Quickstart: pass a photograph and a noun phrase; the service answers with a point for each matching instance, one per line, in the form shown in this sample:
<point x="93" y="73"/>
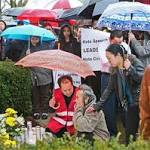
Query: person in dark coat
<point x="141" y="51"/>
<point x="14" y="49"/>
<point x="125" y="80"/>
<point x="41" y="82"/>
<point x="67" y="41"/>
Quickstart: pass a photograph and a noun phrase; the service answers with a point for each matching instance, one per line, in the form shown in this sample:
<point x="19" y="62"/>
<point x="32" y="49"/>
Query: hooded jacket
<point x="90" y="122"/>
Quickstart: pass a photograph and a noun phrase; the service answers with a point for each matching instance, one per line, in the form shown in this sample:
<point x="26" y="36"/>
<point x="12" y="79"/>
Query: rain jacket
<point x="64" y="114"/>
<point x="91" y="122"/>
<point x="133" y="76"/>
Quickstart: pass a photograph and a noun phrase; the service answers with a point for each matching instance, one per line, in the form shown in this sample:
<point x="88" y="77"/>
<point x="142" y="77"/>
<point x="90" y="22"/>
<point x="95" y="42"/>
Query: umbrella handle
<point x="58" y="45"/>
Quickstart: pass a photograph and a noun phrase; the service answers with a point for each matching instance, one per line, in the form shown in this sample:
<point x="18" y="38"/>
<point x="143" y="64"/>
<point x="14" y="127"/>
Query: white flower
<point x="17" y="129"/>
<point x="20" y="120"/>
<point x="2" y="116"/>
<point x="3" y="131"/>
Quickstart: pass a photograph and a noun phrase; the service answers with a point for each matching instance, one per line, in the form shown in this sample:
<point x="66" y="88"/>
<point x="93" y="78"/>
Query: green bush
<point x="72" y="144"/>
<point x="15" y="88"/>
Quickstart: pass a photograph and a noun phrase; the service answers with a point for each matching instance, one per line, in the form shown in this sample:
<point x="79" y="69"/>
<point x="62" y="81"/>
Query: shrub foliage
<point x="15" y="88"/>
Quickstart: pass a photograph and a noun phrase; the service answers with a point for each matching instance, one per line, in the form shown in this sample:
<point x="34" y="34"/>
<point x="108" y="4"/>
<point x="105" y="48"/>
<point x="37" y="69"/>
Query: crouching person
<point x="89" y="125"/>
<point x="62" y="103"/>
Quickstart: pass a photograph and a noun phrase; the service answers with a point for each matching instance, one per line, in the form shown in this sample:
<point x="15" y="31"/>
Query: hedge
<point x="15" y="88"/>
<point x="69" y="143"/>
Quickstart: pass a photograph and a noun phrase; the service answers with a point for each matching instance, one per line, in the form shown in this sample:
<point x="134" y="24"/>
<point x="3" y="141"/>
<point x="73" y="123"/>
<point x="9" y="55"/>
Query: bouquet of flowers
<point x="10" y="126"/>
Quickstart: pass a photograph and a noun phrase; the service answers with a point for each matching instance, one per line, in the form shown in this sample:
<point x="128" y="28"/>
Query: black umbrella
<point x="101" y="6"/>
<point x="86" y="10"/>
<point x="13" y="11"/>
<point x="71" y="13"/>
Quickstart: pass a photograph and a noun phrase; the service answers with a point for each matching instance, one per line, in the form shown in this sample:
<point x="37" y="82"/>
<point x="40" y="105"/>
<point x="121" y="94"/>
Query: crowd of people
<point x="91" y="110"/>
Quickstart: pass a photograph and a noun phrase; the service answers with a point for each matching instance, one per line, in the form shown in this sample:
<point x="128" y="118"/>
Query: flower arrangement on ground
<point x="11" y="126"/>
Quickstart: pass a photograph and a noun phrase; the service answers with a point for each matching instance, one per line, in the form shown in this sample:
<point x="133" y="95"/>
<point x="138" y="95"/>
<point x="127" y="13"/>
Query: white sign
<point x="58" y="74"/>
<point x="93" y="41"/>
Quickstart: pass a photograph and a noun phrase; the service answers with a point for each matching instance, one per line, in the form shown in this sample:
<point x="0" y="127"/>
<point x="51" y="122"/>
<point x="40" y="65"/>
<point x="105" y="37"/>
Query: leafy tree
<point x="14" y="3"/>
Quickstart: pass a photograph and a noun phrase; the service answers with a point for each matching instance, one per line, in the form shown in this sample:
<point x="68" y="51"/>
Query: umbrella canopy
<point x="101" y="6"/>
<point x="9" y="21"/>
<point x="34" y="15"/>
<point x="87" y="8"/>
<point x="71" y="13"/>
<point x="66" y="4"/>
<point x="26" y="31"/>
<point x="13" y="11"/>
<point x="53" y="4"/>
<point x="57" y="60"/>
<point x="126" y="16"/>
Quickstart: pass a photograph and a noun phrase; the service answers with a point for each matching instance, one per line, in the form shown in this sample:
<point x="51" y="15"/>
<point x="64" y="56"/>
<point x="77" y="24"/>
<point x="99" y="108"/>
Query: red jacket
<point x="64" y="114"/>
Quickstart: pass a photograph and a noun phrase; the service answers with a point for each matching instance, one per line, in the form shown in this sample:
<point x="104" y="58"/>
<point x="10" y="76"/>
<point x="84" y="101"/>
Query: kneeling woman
<point x="88" y="124"/>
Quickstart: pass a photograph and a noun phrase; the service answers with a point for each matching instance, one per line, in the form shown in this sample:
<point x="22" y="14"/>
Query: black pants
<point x="130" y="120"/>
<point x="93" y="82"/>
<point x="58" y="134"/>
<point x="40" y="98"/>
<point x="110" y="107"/>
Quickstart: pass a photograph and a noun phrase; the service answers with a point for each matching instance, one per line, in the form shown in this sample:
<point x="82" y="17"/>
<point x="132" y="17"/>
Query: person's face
<point x="79" y="98"/>
<point x="113" y="60"/>
<point x="66" y="32"/>
<point x="2" y="26"/>
<point x="67" y="88"/>
<point x="116" y="40"/>
<point x="35" y="40"/>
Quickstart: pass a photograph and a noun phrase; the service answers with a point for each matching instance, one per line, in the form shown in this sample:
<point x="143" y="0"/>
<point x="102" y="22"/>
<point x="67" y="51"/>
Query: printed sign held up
<point x="93" y="41"/>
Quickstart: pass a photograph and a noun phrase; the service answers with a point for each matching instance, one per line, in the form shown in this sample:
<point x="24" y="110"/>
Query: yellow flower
<point x="11" y="121"/>
<point x="4" y="136"/>
<point x="13" y="143"/>
<point x="9" y="143"/>
<point x="10" y="111"/>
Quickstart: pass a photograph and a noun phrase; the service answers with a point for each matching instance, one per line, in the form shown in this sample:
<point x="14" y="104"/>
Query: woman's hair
<point x="115" y="49"/>
<point x="88" y="92"/>
<point x="4" y="24"/>
<point x="61" y="35"/>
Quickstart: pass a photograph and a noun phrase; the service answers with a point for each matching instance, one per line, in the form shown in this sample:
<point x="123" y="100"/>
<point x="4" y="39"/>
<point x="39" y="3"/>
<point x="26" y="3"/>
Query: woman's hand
<point x="131" y="36"/>
<point x="127" y="64"/>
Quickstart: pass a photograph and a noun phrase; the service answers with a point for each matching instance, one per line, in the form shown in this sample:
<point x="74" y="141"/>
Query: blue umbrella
<point x="126" y="16"/>
<point x="24" y="32"/>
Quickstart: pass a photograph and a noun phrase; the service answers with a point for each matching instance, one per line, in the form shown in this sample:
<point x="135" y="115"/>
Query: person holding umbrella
<point x="41" y="82"/>
<point x="142" y="51"/>
<point x="125" y="80"/>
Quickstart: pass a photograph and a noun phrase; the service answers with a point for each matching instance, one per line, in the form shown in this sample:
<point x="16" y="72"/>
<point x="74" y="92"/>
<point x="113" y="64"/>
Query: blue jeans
<point x="110" y="107"/>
